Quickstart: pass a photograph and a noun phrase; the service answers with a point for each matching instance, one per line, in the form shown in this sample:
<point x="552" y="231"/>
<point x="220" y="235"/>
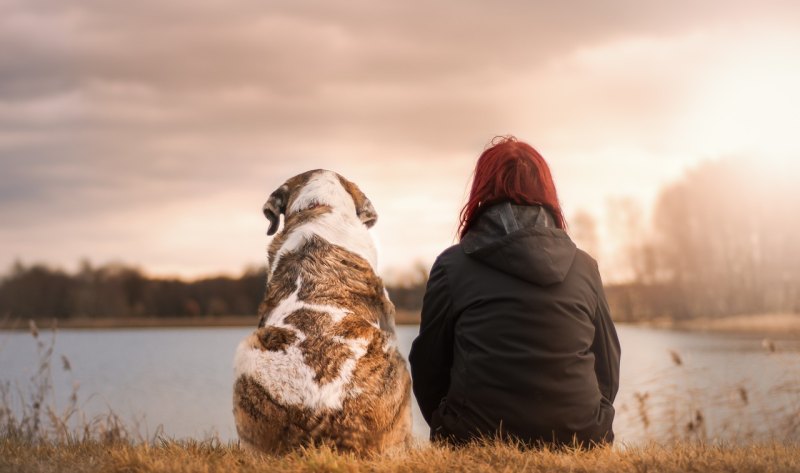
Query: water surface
<point x="182" y="378"/>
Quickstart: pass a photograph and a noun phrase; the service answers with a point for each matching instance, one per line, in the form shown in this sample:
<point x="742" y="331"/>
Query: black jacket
<point x="516" y="336"/>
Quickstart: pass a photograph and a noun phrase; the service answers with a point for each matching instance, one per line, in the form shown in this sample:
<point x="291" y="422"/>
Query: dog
<point x="323" y="366"/>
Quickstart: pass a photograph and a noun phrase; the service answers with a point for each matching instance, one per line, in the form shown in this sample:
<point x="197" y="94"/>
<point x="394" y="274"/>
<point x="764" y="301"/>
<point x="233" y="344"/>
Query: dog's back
<point x="323" y="366"/>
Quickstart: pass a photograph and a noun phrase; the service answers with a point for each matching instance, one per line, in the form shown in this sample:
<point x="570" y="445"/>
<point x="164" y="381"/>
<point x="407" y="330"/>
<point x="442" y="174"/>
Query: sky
<point x="151" y="132"/>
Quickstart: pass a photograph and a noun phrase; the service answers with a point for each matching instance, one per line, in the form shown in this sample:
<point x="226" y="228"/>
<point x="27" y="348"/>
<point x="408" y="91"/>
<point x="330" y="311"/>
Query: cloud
<point x="134" y="115"/>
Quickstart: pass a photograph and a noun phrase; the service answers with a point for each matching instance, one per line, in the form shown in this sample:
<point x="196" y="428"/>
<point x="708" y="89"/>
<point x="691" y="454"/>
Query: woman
<point x="516" y="339"/>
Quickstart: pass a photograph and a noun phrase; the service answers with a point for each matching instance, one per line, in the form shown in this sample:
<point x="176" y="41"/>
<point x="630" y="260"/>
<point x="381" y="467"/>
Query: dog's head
<point x="315" y="188"/>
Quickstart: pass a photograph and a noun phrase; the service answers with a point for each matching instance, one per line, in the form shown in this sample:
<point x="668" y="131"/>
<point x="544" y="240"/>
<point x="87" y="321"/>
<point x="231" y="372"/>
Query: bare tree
<point x="583" y="230"/>
<point x="725" y="236"/>
<point x="634" y="247"/>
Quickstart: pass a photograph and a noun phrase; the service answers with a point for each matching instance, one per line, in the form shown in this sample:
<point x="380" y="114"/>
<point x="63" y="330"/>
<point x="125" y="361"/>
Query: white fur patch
<point x="285" y="375"/>
<point x="289" y="305"/>
<point x="323" y="187"/>
<point x="340" y="227"/>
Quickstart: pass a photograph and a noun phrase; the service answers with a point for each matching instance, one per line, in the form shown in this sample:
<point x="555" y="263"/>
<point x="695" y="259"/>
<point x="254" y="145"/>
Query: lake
<point x="673" y="384"/>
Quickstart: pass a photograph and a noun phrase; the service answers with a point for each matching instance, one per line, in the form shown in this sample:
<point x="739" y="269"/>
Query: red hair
<point x="510" y="170"/>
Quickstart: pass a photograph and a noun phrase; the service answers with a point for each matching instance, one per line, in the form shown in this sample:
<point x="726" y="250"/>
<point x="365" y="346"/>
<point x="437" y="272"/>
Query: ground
<point x="209" y="456"/>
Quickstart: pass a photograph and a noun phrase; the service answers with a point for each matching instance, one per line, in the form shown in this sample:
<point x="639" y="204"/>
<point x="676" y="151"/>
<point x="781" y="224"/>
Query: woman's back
<point x="523" y="307"/>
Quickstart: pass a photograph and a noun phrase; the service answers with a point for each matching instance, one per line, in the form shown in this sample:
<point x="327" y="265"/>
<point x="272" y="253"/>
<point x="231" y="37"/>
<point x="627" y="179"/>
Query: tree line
<point x="117" y="290"/>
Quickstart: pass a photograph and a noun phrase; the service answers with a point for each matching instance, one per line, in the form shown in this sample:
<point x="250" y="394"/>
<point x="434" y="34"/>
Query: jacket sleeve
<point x="432" y="351"/>
<point x="606" y="349"/>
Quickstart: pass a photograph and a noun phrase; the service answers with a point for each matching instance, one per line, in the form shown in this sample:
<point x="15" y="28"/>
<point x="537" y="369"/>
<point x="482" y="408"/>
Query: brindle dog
<point x="323" y="365"/>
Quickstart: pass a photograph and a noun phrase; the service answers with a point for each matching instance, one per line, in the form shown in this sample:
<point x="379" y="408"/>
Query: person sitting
<point x="516" y="339"/>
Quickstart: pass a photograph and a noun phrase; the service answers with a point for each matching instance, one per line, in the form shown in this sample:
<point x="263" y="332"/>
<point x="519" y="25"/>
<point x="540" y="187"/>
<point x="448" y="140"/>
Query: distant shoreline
<point x="135" y="322"/>
<point x="766" y="324"/>
<point x="85" y="323"/>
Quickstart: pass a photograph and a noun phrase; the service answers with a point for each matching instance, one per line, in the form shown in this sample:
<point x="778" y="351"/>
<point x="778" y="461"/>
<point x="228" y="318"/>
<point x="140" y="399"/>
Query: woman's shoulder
<point x="585" y="259"/>
<point x="449" y="263"/>
<point x="452" y="255"/>
<point x="586" y="265"/>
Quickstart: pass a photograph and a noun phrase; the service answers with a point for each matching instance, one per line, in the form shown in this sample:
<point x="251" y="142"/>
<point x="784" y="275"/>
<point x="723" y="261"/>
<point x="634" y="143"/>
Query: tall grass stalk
<point x="31" y="413"/>
<point x="669" y="407"/>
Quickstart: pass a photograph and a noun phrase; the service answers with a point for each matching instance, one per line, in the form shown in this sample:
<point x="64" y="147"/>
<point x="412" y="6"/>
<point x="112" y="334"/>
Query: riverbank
<point x="134" y="322"/>
<point x="402" y="317"/>
<point x="187" y="456"/>
<point x="783" y="325"/>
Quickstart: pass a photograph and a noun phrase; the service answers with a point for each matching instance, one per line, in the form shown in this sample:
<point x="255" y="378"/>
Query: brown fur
<point x="321" y="353"/>
<point x="292" y="222"/>
<point x="275" y="338"/>
<point x="363" y="294"/>
<point x="363" y="206"/>
<point x="377" y="419"/>
<point x="377" y="414"/>
<point x="269" y="426"/>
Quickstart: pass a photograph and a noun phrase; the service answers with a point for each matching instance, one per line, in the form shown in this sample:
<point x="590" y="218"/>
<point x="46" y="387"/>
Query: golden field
<point x="209" y="456"/>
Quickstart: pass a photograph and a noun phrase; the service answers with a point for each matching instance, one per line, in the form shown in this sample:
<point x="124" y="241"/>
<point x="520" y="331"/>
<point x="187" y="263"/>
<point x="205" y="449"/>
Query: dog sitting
<point x="323" y="365"/>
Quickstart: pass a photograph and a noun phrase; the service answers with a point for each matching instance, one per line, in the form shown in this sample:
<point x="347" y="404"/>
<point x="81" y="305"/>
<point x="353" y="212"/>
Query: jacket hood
<point x="521" y="240"/>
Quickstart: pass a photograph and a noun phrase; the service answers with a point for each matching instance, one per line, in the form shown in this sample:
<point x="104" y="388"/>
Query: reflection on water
<point x="182" y="379"/>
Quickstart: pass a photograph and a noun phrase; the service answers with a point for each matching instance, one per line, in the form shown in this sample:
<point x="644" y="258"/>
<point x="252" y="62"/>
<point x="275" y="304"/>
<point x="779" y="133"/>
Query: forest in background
<point x="720" y="241"/>
<point x="117" y="290"/>
<point x="120" y="291"/>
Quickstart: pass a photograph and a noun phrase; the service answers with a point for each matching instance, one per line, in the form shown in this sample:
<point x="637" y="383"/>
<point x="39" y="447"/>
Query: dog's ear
<point x="364" y="209"/>
<point x="366" y="212"/>
<point x="275" y="206"/>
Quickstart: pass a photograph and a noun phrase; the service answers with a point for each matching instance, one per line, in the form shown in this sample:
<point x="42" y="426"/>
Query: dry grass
<point x="173" y="456"/>
<point x="32" y="416"/>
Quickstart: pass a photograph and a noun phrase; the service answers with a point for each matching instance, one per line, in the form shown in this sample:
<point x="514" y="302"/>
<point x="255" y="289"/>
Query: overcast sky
<point x="152" y="132"/>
